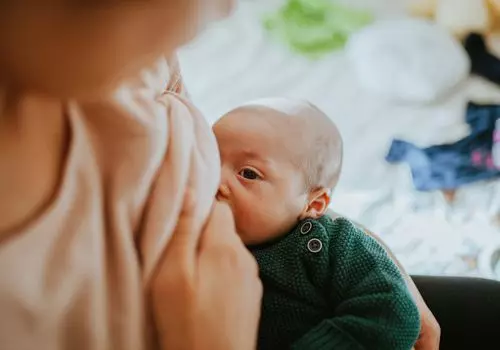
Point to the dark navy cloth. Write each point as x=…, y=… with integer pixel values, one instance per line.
x=483, y=63
x=449, y=166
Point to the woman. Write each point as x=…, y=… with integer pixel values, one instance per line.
x=109, y=237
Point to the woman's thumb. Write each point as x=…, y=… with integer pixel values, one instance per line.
x=184, y=241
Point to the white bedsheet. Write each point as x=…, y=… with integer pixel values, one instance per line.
x=235, y=61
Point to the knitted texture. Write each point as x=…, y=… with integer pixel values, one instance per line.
x=328, y=285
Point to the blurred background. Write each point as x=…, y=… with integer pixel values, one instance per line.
x=413, y=87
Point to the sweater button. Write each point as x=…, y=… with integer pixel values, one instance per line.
x=306, y=228
x=314, y=245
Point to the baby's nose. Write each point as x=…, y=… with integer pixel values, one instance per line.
x=223, y=193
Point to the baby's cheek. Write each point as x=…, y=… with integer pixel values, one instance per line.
x=252, y=222
x=246, y=217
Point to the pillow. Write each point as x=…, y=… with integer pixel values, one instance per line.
x=410, y=60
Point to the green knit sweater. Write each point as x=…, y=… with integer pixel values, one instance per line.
x=328, y=285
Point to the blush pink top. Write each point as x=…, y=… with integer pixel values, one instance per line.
x=77, y=276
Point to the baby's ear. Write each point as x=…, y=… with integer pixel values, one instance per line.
x=317, y=203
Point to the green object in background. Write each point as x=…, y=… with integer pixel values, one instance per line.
x=315, y=27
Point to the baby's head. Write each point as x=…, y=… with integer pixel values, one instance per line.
x=281, y=159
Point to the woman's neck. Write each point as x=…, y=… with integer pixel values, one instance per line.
x=16, y=108
x=33, y=137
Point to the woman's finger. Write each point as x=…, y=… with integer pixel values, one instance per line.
x=430, y=332
x=185, y=239
x=220, y=226
x=221, y=245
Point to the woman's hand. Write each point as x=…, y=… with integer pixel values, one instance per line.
x=207, y=294
x=430, y=331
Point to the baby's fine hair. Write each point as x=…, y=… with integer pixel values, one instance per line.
x=322, y=161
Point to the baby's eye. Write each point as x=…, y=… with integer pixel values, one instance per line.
x=249, y=174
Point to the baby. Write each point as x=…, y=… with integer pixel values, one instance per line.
x=327, y=285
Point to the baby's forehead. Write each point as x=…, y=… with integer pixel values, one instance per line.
x=260, y=129
x=285, y=114
x=293, y=118
x=281, y=106
x=294, y=123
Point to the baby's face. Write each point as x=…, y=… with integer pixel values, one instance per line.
x=260, y=182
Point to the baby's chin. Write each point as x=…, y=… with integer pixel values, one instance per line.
x=253, y=239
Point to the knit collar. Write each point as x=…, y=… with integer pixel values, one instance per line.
x=279, y=239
